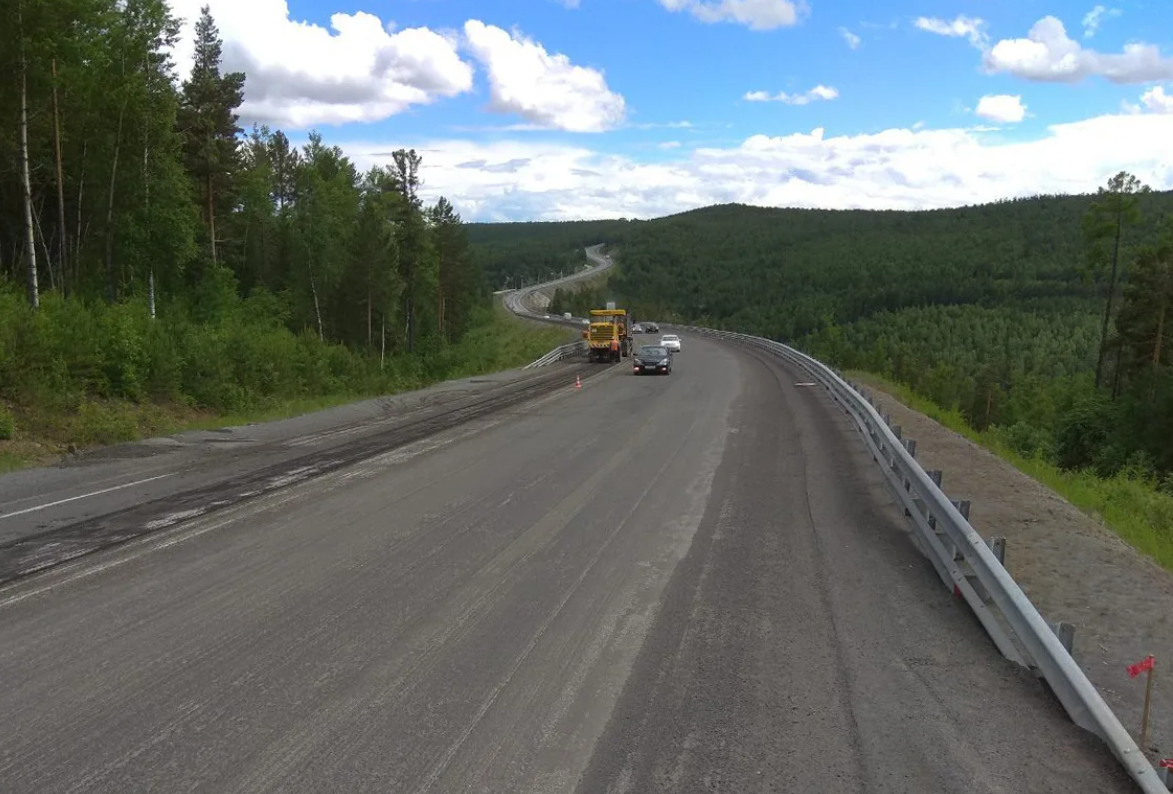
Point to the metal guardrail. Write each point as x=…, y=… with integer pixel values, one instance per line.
x=968, y=566
x=963, y=560
x=515, y=302
x=559, y=353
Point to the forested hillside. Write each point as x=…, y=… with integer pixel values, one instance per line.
x=153, y=252
x=994, y=310
x=516, y=254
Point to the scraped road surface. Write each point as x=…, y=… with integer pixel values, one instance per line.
x=669, y=584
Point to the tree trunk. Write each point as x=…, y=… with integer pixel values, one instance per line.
x=411, y=312
x=1116, y=373
x=147, y=193
x=147, y=204
x=317, y=307
x=30, y=248
x=1108, y=303
x=111, y=285
x=81, y=185
x=63, y=242
x=211, y=210
x=45, y=249
x=1160, y=333
x=383, y=343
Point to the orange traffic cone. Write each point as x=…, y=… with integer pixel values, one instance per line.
x=577, y=382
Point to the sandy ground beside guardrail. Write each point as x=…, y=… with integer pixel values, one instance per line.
x=1072, y=567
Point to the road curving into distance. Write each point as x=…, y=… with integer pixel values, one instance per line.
x=658, y=584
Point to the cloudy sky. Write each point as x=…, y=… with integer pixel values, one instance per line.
x=568, y=109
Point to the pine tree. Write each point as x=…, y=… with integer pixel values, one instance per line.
x=1104, y=225
x=208, y=123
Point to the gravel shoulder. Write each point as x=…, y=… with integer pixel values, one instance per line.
x=1071, y=566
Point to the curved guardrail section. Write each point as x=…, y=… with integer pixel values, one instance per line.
x=967, y=566
x=962, y=559
x=515, y=302
x=559, y=353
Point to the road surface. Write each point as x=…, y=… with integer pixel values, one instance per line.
x=662, y=584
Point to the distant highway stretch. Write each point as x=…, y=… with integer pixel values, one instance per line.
x=672, y=584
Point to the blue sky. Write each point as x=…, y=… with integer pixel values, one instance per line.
x=537, y=110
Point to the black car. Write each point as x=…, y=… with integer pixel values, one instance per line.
x=653, y=360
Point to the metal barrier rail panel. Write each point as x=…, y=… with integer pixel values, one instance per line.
x=952, y=544
x=962, y=559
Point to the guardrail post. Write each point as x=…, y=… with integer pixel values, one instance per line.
x=935, y=475
x=998, y=546
x=910, y=445
x=1066, y=634
x=962, y=506
x=897, y=431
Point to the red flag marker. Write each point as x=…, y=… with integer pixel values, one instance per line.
x=1142, y=666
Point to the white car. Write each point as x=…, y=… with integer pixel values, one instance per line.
x=671, y=341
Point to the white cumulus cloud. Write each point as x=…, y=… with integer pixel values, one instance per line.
x=893, y=169
x=1094, y=18
x=1156, y=100
x=818, y=92
x=961, y=26
x=301, y=74
x=546, y=90
x=754, y=14
x=851, y=39
x=1049, y=54
x=1002, y=108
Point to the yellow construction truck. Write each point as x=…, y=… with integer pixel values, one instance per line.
x=608, y=335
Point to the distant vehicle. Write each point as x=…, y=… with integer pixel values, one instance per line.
x=671, y=341
x=651, y=328
x=652, y=359
x=567, y=316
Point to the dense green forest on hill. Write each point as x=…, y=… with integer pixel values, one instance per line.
x=996, y=311
x=157, y=261
x=517, y=254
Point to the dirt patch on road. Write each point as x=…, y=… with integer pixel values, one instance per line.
x=1072, y=567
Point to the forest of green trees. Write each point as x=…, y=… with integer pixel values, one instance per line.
x=1044, y=319
x=152, y=251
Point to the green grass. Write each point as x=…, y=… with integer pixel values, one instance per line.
x=1130, y=505
x=42, y=431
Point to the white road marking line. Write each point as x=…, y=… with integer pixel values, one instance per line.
x=82, y=496
x=75, y=569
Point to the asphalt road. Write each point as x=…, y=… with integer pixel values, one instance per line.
x=684, y=583
x=54, y=514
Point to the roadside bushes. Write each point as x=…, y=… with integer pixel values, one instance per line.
x=69, y=351
x=222, y=353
